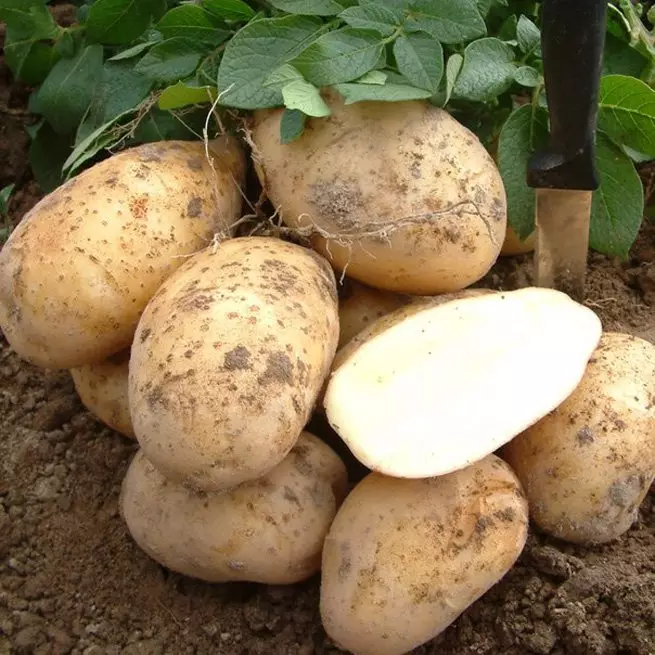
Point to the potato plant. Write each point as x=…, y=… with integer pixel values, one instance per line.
x=391, y=139
x=132, y=72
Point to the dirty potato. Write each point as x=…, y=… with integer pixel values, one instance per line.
x=588, y=465
x=401, y=195
x=404, y=558
x=361, y=305
x=229, y=358
x=269, y=530
x=79, y=269
x=102, y=388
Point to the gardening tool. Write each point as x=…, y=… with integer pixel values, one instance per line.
x=564, y=175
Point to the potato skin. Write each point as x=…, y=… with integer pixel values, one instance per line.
x=587, y=466
x=514, y=246
x=80, y=267
x=404, y=558
x=361, y=305
x=103, y=390
x=229, y=358
x=269, y=530
x=411, y=200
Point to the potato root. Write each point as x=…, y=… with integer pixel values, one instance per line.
x=229, y=358
x=401, y=196
x=439, y=384
x=103, y=390
x=404, y=558
x=269, y=530
x=79, y=269
x=588, y=465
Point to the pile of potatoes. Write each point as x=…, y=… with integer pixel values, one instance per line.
x=255, y=372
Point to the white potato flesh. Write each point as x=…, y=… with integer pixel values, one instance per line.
x=446, y=385
x=270, y=530
x=404, y=558
x=587, y=466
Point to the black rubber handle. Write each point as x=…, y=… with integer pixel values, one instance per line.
x=572, y=43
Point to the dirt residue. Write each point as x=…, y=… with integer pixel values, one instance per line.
x=73, y=581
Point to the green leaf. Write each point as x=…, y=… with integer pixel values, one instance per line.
x=292, y=125
x=618, y=204
x=308, y=7
x=420, y=59
x=120, y=89
x=446, y=21
x=119, y=21
x=282, y=76
x=182, y=95
x=339, y=56
x=453, y=68
x=161, y=125
x=527, y=76
x=372, y=77
x=525, y=131
x=192, y=22
x=66, y=93
x=627, y=112
x=47, y=153
x=488, y=70
x=386, y=93
x=132, y=52
x=5, y=194
x=254, y=52
x=373, y=17
x=169, y=61
x=234, y=10
x=507, y=30
x=29, y=23
x=305, y=97
x=619, y=58
x=87, y=143
x=528, y=35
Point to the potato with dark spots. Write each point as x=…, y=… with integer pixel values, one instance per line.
x=404, y=558
x=587, y=466
x=103, y=390
x=400, y=196
x=81, y=266
x=223, y=379
x=270, y=530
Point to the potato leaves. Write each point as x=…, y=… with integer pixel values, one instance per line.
x=478, y=59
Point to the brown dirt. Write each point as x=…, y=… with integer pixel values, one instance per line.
x=73, y=581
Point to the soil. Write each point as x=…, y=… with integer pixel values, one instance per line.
x=73, y=581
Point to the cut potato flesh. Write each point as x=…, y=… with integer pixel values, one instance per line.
x=443, y=387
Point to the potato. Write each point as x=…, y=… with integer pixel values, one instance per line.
x=269, y=530
x=403, y=197
x=360, y=305
x=587, y=466
x=79, y=269
x=514, y=246
x=404, y=558
x=437, y=385
x=229, y=358
x=102, y=388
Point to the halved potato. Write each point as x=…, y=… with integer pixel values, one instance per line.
x=437, y=385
